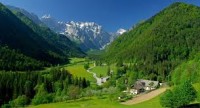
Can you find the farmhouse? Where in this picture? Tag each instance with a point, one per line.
(142, 85)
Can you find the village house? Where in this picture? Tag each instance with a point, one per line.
(142, 85)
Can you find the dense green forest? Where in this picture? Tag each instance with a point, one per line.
(14, 60)
(161, 43)
(39, 87)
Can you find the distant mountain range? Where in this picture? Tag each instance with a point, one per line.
(88, 35)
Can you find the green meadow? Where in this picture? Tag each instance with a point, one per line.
(100, 103)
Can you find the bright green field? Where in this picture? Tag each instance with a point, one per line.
(76, 68)
(100, 70)
(100, 103)
(79, 71)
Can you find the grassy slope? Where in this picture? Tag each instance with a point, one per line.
(76, 68)
(100, 103)
(79, 71)
(104, 103)
(100, 70)
(103, 70)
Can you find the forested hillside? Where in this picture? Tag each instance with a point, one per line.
(156, 46)
(14, 60)
(37, 44)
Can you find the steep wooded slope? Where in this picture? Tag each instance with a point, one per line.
(162, 42)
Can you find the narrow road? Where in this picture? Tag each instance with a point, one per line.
(100, 81)
(144, 97)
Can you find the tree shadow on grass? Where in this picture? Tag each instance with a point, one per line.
(197, 105)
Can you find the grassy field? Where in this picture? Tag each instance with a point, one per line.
(79, 71)
(100, 70)
(76, 68)
(100, 103)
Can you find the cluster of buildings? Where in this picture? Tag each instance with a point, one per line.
(142, 85)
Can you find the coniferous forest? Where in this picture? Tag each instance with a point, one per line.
(158, 45)
(39, 87)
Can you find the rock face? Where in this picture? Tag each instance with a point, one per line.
(88, 35)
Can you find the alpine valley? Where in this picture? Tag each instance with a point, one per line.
(46, 63)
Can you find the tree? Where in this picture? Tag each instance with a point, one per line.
(86, 66)
(21, 101)
(108, 71)
(73, 92)
(184, 94)
(166, 100)
(180, 96)
(42, 95)
(28, 89)
(132, 77)
(119, 63)
(84, 83)
(121, 83)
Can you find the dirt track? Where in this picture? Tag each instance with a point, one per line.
(144, 97)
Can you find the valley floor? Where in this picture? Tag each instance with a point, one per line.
(76, 68)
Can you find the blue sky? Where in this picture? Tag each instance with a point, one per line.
(111, 14)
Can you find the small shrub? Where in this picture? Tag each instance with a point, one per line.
(86, 66)
(21, 101)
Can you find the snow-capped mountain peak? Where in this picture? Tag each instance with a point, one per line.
(75, 27)
(89, 35)
(121, 31)
(46, 16)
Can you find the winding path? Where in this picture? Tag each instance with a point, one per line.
(145, 97)
(100, 81)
